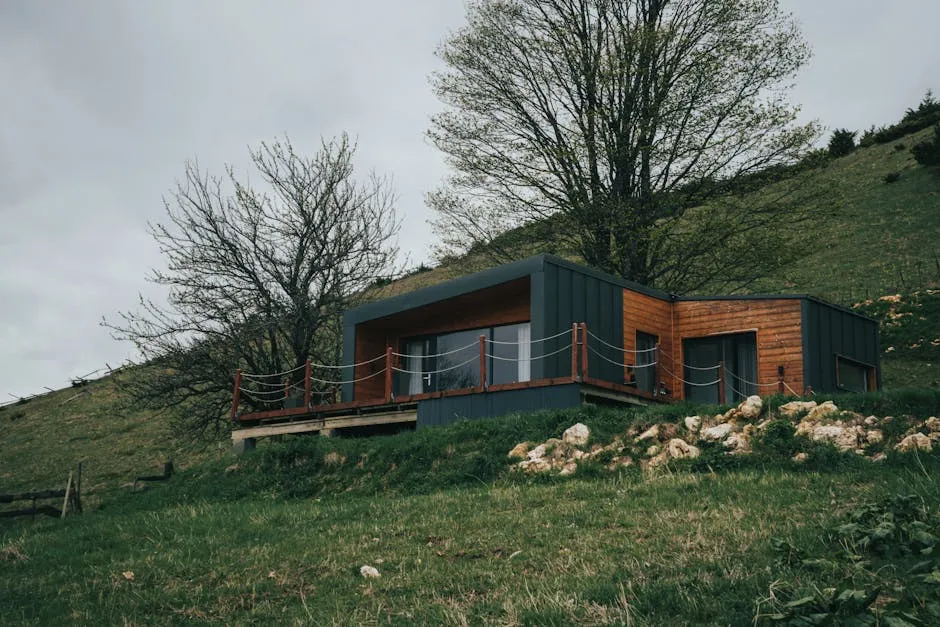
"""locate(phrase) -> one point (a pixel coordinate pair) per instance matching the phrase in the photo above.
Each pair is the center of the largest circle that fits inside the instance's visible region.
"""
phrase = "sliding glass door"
(702, 357)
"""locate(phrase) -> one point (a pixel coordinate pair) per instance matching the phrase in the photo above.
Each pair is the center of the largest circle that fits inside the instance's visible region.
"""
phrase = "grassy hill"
(280, 536)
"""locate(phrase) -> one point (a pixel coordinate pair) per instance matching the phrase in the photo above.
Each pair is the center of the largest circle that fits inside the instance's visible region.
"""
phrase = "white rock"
(738, 442)
(879, 457)
(821, 411)
(650, 434)
(536, 465)
(844, 439)
(653, 450)
(871, 421)
(751, 408)
(692, 423)
(677, 448)
(800, 457)
(932, 424)
(874, 436)
(519, 451)
(369, 572)
(568, 469)
(795, 408)
(915, 442)
(537, 453)
(576, 435)
(718, 432)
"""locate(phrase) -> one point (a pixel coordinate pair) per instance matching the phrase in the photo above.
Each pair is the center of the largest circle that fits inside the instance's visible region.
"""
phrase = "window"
(854, 376)
(644, 370)
(457, 355)
(701, 358)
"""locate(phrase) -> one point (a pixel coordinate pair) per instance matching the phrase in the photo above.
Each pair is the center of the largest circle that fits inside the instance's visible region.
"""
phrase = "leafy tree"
(928, 152)
(258, 277)
(618, 118)
(842, 143)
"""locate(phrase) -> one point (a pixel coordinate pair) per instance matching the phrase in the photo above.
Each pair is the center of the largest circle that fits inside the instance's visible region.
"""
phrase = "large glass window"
(737, 351)
(451, 361)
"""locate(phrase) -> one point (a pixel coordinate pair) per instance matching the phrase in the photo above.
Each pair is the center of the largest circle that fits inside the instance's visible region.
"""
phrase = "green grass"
(279, 535)
(45, 438)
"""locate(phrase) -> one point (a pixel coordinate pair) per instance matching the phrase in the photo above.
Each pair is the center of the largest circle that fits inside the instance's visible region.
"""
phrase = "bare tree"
(257, 277)
(618, 119)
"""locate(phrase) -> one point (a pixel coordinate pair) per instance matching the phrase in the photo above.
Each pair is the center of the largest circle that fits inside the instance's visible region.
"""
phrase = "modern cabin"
(548, 333)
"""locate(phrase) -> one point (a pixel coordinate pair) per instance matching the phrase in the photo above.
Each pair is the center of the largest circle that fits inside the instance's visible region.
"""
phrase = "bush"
(842, 143)
(778, 440)
(892, 177)
(927, 153)
(900, 146)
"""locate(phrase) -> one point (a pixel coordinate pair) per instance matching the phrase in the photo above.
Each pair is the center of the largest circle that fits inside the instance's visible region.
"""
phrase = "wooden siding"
(777, 323)
(654, 316)
(508, 303)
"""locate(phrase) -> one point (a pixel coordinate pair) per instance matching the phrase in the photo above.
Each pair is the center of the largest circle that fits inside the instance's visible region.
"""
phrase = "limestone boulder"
(693, 423)
(568, 469)
(874, 436)
(369, 572)
(932, 424)
(915, 442)
(520, 451)
(718, 432)
(800, 457)
(822, 411)
(844, 438)
(739, 443)
(677, 448)
(795, 408)
(751, 408)
(650, 434)
(871, 421)
(535, 465)
(576, 435)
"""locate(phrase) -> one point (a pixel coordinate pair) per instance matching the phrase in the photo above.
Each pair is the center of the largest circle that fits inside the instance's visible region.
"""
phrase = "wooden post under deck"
(721, 383)
(584, 351)
(483, 363)
(388, 373)
(307, 383)
(574, 351)
(235, 394)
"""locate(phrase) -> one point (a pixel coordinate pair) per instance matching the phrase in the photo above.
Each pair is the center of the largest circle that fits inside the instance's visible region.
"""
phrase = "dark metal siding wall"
(443, 411)
(569, 296)
(828, 331)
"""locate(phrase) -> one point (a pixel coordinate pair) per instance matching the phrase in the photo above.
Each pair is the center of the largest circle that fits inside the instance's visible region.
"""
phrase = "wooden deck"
(403, 409)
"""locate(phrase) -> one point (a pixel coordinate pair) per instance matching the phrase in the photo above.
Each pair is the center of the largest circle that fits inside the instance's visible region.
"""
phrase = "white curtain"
(416, 366)
(525, 352)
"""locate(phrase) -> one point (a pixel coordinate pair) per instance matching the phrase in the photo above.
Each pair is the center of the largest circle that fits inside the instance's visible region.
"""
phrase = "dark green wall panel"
(828, 331)
(443, 411)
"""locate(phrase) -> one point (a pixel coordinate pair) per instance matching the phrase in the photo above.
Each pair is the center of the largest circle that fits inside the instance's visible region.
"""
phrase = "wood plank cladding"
(507, 303)
(777, 323)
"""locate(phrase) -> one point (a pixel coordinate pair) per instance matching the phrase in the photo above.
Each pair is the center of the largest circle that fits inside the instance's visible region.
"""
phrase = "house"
(544, 332)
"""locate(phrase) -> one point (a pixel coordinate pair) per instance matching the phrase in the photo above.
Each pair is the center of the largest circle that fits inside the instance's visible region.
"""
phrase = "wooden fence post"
(483, 385)
(235, 394)
(574, 351)
(721, 383)
(388, 374)
(584, 351)
(308, 372)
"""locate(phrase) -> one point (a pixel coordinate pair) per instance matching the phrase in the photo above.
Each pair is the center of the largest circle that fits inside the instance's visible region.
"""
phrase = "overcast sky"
(102, 102)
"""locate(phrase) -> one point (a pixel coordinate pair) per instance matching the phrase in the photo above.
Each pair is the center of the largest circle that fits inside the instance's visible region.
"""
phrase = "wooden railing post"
(388, 374)
(307, 384)
(780, 387)
(483, 385)
(574, 351)
(654, 377)
(584, 351)
(236, 394)
(721, 383)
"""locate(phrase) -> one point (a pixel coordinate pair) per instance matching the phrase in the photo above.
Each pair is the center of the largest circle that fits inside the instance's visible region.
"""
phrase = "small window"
(854, 376)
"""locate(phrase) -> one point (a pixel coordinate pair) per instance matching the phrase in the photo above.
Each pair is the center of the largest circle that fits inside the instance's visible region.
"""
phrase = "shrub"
(778, 440)
(892, 177)
(927, 153)
(842, 143)
(900, 146)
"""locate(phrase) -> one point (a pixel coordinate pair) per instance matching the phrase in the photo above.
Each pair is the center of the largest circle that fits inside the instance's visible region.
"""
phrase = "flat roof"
(527, 267)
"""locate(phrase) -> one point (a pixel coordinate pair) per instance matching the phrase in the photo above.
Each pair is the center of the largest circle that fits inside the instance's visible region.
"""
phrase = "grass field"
(279, 536)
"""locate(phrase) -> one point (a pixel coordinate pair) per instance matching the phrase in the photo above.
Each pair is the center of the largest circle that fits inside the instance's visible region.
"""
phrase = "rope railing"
(618, 363)
(370, 376)
(444, 354)
(448, 369)
(618, 348)
(536, 341)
